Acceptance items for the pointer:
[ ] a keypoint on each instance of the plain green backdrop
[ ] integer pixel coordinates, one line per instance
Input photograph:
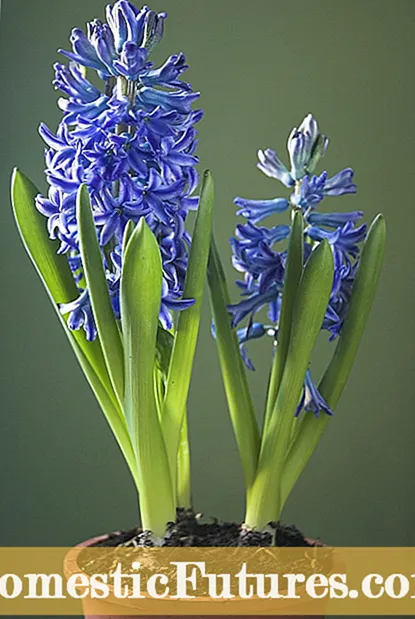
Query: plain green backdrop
(261, 66)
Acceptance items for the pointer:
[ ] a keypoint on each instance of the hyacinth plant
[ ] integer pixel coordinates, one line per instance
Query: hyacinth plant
(126, 278)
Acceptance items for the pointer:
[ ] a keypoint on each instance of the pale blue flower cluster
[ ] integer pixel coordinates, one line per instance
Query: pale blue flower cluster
(132, 143)
(255, 248)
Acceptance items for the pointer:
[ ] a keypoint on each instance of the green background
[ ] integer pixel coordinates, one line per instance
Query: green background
(261, 66)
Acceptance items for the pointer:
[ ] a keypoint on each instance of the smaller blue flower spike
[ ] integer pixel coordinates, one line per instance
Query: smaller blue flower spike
(132, 142)
(255, 248)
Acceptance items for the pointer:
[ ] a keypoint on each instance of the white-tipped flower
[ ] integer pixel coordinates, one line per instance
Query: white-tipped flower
(270, 164)
(306, 146)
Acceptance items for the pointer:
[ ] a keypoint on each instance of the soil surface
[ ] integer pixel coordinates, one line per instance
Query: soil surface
(191, 530)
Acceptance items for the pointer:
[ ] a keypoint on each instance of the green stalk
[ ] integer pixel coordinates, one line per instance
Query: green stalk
(184, 494)
(294, 269)
(264, 504)
(338, 371)
(184, 346)
(239, 400)
(140, 294)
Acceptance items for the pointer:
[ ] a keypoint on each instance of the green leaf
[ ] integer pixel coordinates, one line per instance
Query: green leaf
(364, 290)
(293, 272)
(338, 371)
(233, 370)
(54, 271)
(264, 502)
(140, 295)
(181, 363)
(128, 232)
(112, 412)
(51, 267)
(310, 308)
(93, 266)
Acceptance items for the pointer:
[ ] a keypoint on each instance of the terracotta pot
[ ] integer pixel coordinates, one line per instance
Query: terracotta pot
(108, 610)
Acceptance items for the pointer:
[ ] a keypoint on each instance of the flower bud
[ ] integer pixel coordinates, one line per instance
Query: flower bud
(153, 29)
(319, 148)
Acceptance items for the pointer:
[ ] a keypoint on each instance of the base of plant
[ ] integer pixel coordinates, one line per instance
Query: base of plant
(191, 530)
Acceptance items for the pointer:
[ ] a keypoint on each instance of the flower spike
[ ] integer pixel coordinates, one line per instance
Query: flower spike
(131, 143)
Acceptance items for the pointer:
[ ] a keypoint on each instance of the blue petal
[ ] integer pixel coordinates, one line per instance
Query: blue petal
(256, 210)
(270, 164)
(132, 60)
(169, 101)
(312, 400)
(253, 331)
(249, 306)
(84, 52)
(340, 184)
(333, 220)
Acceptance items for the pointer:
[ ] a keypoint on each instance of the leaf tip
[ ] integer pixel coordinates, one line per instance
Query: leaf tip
(142, 237)
(83, 192)
(141, 226)
(379, 223)
(207, 184)
(17, 176)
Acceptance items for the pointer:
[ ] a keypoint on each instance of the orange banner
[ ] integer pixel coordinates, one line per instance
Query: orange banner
(207, 581)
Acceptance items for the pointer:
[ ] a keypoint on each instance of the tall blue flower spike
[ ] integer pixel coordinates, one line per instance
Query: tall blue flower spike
(132, 142)
(255, 248)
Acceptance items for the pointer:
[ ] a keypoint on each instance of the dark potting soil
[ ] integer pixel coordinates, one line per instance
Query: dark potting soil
(190, 530)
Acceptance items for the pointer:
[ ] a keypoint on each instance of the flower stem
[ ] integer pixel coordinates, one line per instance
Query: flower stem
(184, 497)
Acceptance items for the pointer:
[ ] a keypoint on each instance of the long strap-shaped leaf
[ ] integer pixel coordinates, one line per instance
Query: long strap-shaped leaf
(181, 362)
(293, 272)
(141, 284)
(113, 414)
(234, 377)
(338, 371)
(92, 263)
(53, 269)
(264, 502)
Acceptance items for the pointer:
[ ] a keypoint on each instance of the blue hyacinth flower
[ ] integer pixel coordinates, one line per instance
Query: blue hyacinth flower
(131, 140)
(257, 252)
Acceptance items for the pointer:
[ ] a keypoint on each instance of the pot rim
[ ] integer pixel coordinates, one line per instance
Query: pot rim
(71, 567)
